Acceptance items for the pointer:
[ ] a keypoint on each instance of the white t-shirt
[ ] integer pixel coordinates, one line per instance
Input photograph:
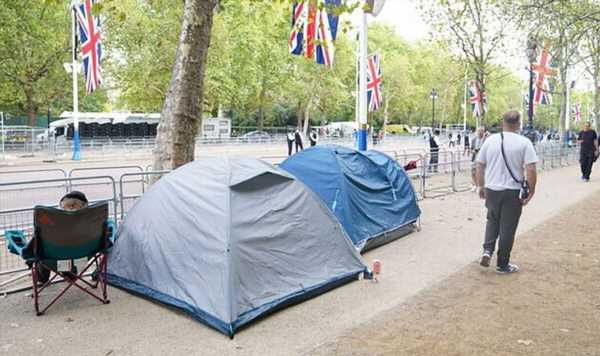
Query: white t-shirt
(519, 152)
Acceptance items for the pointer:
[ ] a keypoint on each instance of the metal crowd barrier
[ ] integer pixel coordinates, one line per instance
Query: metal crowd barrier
(20, 197)
(123, 198)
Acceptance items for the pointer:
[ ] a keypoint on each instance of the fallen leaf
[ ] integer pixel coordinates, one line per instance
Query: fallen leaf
(69, 319)
(525, 342)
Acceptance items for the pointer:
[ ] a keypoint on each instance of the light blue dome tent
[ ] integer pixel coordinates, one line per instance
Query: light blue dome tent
(368, 192)
(229, 240)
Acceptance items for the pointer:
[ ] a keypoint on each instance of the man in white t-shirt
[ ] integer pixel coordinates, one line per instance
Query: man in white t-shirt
(499, 178)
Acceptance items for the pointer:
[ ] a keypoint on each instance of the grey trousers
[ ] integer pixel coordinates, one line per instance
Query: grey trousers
(504, 211)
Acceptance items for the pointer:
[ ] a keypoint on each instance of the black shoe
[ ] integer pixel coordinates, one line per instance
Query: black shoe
(509, 268)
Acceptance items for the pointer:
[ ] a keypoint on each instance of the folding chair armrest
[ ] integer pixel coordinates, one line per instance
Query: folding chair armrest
(110, 229)
(16, 241)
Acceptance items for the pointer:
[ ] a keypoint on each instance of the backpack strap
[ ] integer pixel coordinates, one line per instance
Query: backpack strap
(505, 161)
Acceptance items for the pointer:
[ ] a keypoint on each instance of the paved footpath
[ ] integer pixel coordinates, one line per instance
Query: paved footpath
(450, 240)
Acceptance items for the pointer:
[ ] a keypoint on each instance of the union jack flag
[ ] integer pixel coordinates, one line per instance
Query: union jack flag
(477, 98)
(314, 30)
(576, 110)
(374, 77)
(91, 46)
(542, 71)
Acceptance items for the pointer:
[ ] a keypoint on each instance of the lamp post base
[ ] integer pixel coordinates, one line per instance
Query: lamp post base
(76, 147)
(362, 137)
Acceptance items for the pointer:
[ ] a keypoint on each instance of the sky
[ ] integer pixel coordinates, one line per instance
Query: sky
(403, 15)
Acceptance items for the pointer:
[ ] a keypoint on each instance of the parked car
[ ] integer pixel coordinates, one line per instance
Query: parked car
(256, 136)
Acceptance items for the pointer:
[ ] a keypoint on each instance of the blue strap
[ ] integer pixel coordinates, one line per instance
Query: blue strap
(16, 241)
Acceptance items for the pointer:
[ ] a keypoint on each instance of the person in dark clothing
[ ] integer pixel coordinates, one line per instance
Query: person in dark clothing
(298, 140)
(588, 139)
(434, 149)
(290, 142)
(72, 201)
(313, 137)
(467, 145)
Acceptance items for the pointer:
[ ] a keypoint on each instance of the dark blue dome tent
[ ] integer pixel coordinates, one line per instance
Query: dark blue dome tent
(368, 192)
(230, 240)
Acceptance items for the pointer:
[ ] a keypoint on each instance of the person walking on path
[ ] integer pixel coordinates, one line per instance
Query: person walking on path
(298, 140)
(588, 139)
(476, 144)
(452, 140)
(467, 149)
(313, 137)
(434, 149)
(501, 179)
(290, 142)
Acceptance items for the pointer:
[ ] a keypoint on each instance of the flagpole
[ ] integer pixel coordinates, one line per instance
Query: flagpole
(568, 100)
(357, 93)
(465, 104)
(362, 118)
(76, 144)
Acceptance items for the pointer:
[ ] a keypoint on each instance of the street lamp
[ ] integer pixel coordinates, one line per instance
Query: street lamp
(532, 51)
(433, 96)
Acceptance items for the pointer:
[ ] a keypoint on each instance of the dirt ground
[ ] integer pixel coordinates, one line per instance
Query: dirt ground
(551, 307)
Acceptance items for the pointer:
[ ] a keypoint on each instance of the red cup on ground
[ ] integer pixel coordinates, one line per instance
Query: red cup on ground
(376, 267)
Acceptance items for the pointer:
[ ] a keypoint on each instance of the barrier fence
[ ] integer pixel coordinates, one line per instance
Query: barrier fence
(20, 197)
(121, 186)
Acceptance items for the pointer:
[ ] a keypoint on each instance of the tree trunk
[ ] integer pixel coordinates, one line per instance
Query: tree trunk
(31, 108)
(299, 116)
(260, 120)
(181, 113)
(597, 98)
(306, 120)
(386, 114)
(481, 79)
(562, 123)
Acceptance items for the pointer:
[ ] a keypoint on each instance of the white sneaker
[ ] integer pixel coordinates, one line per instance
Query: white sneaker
(485, 259)
(510, 268)
(473, 188)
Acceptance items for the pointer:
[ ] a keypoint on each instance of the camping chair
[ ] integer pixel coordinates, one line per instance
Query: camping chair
(60, 237)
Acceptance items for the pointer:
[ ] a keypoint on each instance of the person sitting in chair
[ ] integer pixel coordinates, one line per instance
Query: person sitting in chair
(72, 201)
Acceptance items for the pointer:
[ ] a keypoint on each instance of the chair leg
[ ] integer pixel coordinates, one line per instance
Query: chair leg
(34, 277)
(104, 265)
(73, 282)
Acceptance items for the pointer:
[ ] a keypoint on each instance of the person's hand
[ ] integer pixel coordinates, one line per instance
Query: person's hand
(481, 192)
(526, 201)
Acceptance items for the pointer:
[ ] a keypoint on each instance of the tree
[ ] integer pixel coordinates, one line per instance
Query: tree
(477, 27)
(563, 25)
(592, 63)
(31, 55)
(176, 133)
